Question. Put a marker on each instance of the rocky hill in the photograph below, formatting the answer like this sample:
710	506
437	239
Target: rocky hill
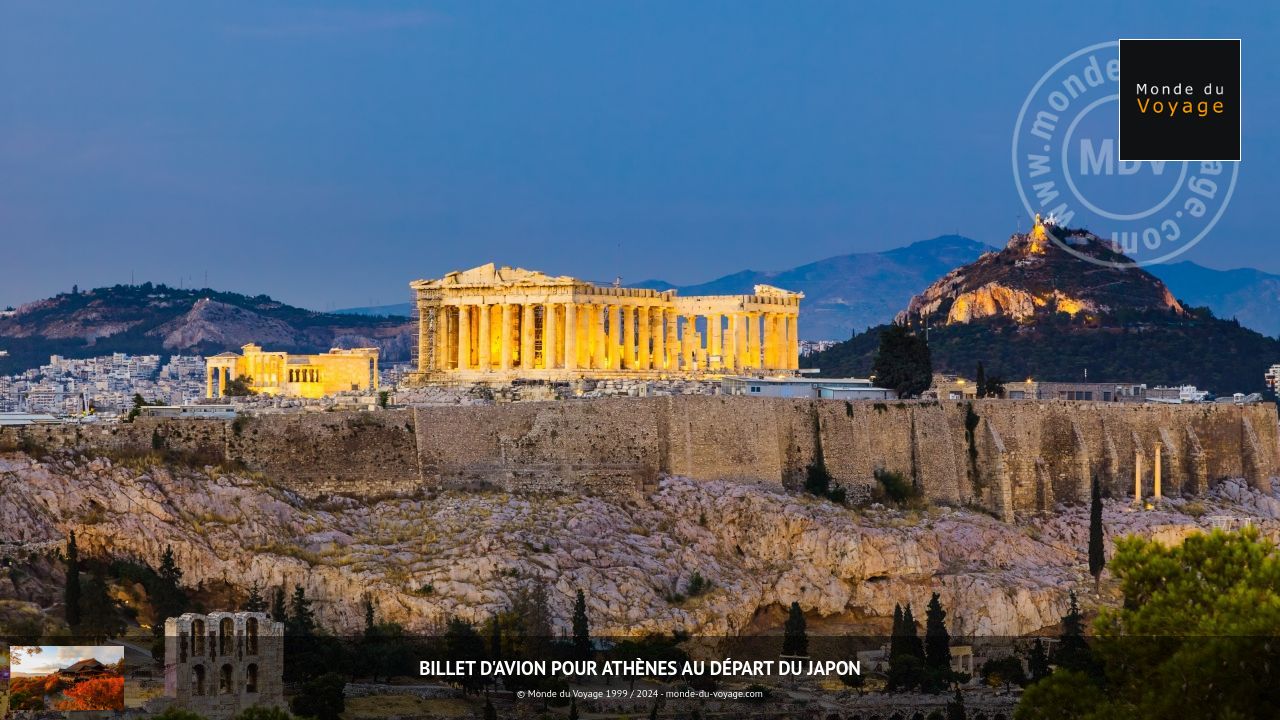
425	557
1034	278
1033	309
155	319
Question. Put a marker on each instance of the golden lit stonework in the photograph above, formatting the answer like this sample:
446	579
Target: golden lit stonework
282	373
492	324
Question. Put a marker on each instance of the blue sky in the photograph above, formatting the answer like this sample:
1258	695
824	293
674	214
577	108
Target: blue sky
327	154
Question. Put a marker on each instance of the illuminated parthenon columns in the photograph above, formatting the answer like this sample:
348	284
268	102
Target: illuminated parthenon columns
501	324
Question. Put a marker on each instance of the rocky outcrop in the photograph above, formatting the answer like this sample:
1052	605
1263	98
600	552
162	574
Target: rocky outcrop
427	557
1035	275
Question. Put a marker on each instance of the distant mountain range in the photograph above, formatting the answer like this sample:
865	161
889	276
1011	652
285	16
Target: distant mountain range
155	319
849	293
1032	309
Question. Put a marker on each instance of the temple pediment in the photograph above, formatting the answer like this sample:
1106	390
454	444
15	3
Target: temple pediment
771	291
490	275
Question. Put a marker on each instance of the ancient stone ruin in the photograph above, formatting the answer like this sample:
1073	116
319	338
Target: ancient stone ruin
219	664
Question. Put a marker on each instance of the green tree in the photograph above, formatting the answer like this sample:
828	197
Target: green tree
1192	638
573	709
321	698
1097	551
581	628
278	611
255	602
1038	662
463	643
906	653
1003	671
490	713
71	593
795	639
980	381
903	363
173	712
168	597
240	386
955	708
301	621
1073	652
99	620
937	647
258	712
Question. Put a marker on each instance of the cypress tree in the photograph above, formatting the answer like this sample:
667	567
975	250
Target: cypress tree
573	709
937	645
795	641
495	638
71	595
1097	555
911	634
981	381
302	620
895	639
489	712
581	628
278	612
368	616
255	602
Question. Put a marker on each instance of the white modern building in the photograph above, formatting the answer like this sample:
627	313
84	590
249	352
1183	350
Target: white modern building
802	387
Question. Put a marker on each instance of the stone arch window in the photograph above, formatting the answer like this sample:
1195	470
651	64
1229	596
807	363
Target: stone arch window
251	635
197	680
226	680
251	679
197	637
226	635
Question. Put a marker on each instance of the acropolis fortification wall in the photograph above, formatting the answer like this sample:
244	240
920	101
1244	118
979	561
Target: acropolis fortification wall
1012	457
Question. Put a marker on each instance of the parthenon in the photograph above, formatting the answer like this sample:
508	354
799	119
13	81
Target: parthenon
497	324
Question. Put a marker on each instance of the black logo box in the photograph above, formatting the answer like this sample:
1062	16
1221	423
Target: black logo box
1184	64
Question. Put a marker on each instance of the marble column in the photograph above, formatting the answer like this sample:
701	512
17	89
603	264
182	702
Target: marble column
715	344
208	381
570	336
599	341
642	343
614	359
485	344
464	337
444	338
549	340
673	340
753	340
424	320
689	343
792	341
505	339
769	340
658	329
730	344
528	323
628	337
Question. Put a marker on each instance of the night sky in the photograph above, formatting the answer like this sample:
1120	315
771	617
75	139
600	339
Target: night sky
327	154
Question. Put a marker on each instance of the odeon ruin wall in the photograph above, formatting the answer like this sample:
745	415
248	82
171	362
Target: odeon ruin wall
1009	456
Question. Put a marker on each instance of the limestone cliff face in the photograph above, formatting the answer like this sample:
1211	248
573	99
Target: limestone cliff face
463	554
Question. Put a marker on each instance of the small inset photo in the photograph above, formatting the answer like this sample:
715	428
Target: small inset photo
66	678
